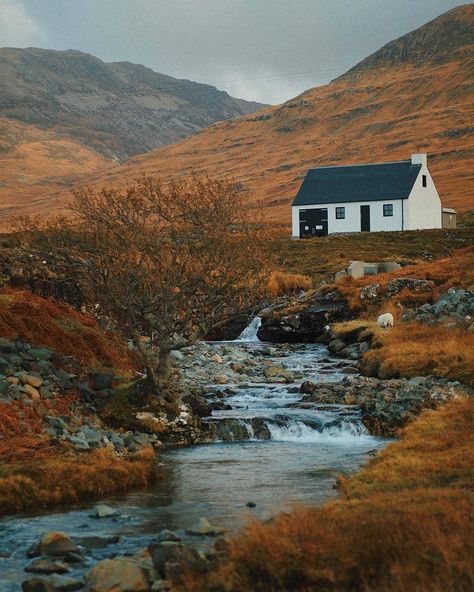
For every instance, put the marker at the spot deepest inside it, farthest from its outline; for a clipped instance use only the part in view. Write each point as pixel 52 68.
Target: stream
pixel 299 464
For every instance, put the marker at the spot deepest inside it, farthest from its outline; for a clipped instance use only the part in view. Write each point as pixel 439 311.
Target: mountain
pixel 118 109
pixel 413 95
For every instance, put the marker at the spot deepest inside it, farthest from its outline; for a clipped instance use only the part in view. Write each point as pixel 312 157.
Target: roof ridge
pixel 343 166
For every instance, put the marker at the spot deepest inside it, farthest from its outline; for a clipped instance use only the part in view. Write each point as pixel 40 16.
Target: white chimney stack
pixel 419 159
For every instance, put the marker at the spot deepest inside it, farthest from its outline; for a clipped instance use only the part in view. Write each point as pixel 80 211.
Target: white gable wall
pixel 423 207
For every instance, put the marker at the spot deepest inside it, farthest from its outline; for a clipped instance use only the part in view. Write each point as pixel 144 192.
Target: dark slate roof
pixel 362 182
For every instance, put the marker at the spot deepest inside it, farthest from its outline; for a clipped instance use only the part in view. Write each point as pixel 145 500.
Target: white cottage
pixel 367 197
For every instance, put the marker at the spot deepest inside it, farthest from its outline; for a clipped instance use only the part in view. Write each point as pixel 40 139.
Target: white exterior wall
pixel 351 223
pixel 424 209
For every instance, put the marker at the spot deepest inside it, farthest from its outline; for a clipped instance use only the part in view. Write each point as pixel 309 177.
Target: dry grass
pixel 320 258
pixel 52 477
pixel 282 282
pixel 405 524
pixel 412 349
pixel 55 325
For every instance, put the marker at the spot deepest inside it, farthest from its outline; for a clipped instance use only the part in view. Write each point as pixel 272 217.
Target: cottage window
pixel 423 180
pixel 340 213
pixel 388 210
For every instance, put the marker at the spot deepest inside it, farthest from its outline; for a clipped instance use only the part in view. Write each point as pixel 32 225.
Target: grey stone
pixel 40 353
pixel 103 511
pixel 56 422
pixel 168 535
pixel 46 566
pixel 203 528
pixel 79 443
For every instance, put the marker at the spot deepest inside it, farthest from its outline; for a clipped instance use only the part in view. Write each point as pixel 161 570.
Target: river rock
pixel 103 511
pixel 117 575
pixel 53 583
pixel 34 381
pixel 45 566
pixel 221 379
pixel 55 544
pixel 171 559
pixel 203 528
pixel 167 535
pixel 32 393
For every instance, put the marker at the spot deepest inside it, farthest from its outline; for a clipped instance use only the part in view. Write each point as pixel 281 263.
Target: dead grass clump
pixel 53 324
pixel 406 524
pixel 61 478
pixel 413 349
pixel 282 282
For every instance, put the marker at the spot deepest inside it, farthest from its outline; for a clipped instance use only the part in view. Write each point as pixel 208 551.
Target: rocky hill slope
pixel 117 109
pixel 413 95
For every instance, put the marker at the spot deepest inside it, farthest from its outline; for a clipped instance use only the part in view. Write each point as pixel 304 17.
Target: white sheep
pixel 385 320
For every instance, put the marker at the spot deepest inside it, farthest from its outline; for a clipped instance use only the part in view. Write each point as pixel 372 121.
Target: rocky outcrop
pixel 308 322
pixel 453 309
pixel 386 405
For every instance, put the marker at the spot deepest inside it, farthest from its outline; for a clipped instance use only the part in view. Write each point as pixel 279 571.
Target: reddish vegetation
pixel 52 324
pixel 405 524
pixel 282 282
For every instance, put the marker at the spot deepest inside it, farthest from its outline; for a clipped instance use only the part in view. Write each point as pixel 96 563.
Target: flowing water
pixel 298 464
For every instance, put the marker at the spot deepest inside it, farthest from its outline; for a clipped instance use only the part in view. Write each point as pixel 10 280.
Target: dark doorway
pixel 313 222
pixel 365 218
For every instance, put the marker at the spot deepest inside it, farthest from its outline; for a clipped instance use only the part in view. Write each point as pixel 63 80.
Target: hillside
pixel 117 109
pixel 413 95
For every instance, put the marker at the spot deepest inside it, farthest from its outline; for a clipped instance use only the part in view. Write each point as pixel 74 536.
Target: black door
pixel 313 222
pixel 365 218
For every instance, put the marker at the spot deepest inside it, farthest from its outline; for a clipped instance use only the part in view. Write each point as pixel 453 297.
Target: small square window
pixel 340 213
pixel 423 180
pixel 388 209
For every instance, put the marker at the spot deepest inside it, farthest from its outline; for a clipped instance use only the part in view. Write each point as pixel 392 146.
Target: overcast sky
pixel 266 50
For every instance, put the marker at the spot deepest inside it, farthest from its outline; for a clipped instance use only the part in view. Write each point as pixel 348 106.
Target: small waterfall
pixel 289 430
pixel 249 334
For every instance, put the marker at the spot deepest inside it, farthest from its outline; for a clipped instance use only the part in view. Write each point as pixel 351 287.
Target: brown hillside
pixel 35 164
pixel 415 94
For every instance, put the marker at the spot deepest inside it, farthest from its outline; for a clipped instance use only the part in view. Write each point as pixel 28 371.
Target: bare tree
pixel 167 262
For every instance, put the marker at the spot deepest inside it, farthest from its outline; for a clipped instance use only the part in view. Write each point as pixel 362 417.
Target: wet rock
pixel 199 405
pixel 260 428
pixel 308 387
pixel 203 528
pixel 55 544
pixel 230 430
pixel 117 575
pixel 251 505
pixel 350 370
pixel 53 583
pixel 171 559
pixel 45 566
pixel 98 542
pixel 168 535
pixel 103 511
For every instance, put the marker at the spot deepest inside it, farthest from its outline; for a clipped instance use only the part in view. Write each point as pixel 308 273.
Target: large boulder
pixel 117 575
pixel 304 326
